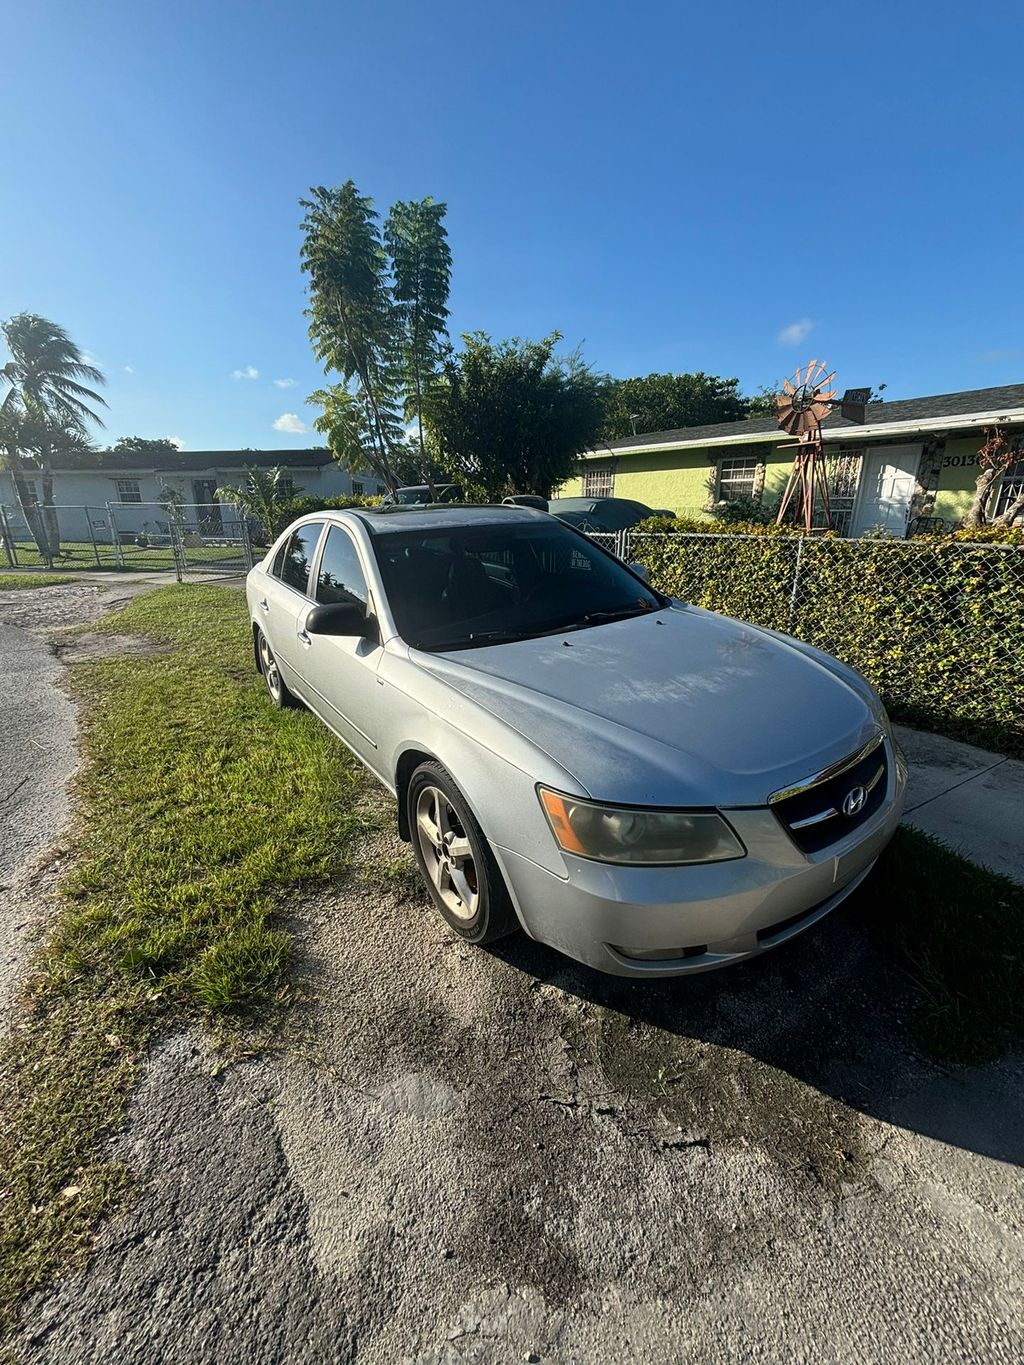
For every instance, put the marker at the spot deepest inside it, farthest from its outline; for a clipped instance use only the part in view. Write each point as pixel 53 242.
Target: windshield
pixel 480 585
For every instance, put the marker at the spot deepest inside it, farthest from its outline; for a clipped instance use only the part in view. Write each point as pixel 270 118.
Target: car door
pixel 285 595
pixel 340 671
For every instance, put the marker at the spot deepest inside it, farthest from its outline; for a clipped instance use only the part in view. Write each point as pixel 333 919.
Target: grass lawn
pixel 81 555
pixel 199 804
pixel 9 581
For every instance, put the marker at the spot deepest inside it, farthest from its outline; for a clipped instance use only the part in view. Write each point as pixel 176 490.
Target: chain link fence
pixel 937 625
pixel 183 538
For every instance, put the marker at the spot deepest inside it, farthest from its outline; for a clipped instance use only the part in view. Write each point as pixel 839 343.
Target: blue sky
pixel 673 187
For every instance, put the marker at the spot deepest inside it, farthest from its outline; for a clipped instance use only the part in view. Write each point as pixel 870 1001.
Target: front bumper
pixel 670 921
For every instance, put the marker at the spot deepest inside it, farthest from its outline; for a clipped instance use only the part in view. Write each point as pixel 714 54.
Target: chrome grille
pixel 826 808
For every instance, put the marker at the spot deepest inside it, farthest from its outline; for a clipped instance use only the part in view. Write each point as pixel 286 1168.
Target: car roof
pixel 381 521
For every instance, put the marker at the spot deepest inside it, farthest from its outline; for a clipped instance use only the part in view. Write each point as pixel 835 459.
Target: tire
pixel 277 688
pixel 455 859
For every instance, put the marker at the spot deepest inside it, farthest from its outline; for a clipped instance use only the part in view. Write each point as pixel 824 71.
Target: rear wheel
pixel 464 881
pixel 277 689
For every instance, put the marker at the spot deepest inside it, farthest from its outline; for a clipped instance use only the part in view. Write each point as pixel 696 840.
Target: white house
pixel 122 489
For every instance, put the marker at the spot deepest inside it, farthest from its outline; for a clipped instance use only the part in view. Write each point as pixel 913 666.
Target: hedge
pixel 936 623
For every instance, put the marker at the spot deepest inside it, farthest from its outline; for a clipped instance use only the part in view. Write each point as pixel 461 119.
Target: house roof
pixel 935 411
pixel 185 461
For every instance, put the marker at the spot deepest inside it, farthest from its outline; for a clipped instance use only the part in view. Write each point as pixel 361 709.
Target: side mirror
pixel 340 618
pixel 641 571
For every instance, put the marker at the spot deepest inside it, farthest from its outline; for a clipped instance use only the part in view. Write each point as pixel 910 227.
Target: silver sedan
pixel 646 786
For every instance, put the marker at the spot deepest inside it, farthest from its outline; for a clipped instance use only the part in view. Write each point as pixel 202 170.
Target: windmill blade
pixel 810 369
pixel 787 386
pixel 820 383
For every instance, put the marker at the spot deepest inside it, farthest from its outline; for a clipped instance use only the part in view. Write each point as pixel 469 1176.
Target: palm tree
pixel 46 407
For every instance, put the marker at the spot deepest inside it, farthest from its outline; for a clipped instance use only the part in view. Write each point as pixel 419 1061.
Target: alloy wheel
pixel 271 672
pixel 447 853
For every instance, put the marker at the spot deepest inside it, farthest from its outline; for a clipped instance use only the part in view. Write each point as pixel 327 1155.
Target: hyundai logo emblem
pixel 853 801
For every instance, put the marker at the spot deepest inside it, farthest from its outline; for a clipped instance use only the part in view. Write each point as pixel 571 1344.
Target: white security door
pixel 887 486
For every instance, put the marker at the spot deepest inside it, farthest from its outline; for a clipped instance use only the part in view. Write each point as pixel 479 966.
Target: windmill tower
pixel 805 401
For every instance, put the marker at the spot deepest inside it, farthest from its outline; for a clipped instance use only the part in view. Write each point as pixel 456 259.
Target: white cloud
pixel 250 372
pixel 285 383
pixel 128 370
pixel 289 421
pixel 177 441
pixel 796 332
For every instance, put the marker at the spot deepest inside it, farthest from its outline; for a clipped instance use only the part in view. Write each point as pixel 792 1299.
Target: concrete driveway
pixel 470 1156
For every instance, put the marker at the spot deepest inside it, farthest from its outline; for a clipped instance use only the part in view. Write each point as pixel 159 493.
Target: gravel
pixel 466 1156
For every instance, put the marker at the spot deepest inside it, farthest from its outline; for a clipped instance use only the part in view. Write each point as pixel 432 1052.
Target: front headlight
pixel 623 834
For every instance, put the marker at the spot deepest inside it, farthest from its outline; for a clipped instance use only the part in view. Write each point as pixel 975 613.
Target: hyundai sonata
pixel 649 787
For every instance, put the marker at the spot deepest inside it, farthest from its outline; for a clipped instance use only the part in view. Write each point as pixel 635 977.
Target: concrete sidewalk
pixel 971 799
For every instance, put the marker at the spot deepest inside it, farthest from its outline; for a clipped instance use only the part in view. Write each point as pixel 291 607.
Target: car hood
pixel 679 707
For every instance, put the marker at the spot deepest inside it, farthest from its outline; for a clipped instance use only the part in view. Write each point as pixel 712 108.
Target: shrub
pixel 742 510
pixel 306 503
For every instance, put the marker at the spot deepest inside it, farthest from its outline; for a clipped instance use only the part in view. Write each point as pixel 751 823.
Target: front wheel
pixel 464 881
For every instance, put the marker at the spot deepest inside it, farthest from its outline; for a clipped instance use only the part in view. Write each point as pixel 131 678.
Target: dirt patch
pixel 66 604
pixel 85 646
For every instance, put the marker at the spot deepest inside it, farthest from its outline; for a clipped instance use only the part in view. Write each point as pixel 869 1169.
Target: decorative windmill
pixel 805 401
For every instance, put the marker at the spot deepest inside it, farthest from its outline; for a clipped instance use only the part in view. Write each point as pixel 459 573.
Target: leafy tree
pixel 150 448
pixel 46 409
pixel 511 416
pixel 421 266
pixel 377 317
pixel 663 402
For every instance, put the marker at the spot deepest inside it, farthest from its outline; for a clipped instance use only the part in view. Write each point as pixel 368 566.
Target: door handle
pixel 305 639
pixel 263 604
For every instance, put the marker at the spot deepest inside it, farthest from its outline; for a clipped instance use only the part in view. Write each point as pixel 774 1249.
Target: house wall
pixel 957 474
pixel 75 490
pixel 678 479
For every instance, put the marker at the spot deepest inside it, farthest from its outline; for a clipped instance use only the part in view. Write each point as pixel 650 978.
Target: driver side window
pixel 341 577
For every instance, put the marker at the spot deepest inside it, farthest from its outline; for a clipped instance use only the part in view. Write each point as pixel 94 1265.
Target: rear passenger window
pixel 293 565
pixel 341 575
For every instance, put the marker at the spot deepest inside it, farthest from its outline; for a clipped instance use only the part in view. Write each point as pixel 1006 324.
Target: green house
pixel 911 459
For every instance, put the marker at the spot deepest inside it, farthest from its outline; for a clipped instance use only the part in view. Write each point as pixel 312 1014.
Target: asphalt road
pixel 37 756
pixel 37 749
pixel 469 1157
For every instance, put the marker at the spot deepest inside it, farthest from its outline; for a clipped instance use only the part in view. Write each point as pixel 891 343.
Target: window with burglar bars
pixel 736 478
pixel 128 490
pixel 599 483
pixel 1011 487
pixel 26 489
pixel 842 475
pixel 357 488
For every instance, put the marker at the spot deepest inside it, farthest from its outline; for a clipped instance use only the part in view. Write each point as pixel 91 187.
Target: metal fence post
pixel 92 537
pixel 246 541
pixel 796 584
pixel 7 538
pixel 177 545
pixel 115 536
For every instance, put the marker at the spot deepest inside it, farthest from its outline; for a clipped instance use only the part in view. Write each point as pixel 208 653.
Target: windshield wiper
pixel 594 618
